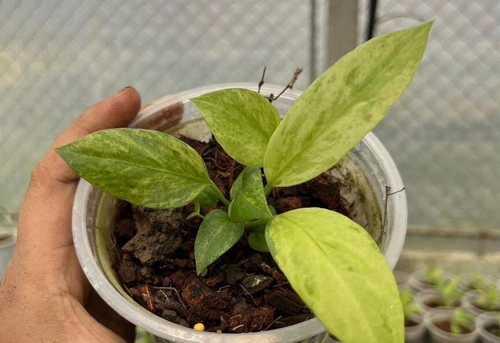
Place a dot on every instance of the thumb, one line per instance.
(45, 220)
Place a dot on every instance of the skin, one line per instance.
(45, 296)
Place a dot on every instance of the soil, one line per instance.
(494, 329)
(435, 303)
(439, 303)
(446, 326)
(411, 322)
(244, 291)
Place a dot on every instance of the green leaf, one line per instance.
(338, 271)
(257, 241)
(248, 199)
(343, 105)
(241, 120)
(146, 168)
(216, 235)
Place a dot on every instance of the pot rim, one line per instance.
(470, 299)
(432, 317)
(158, 326)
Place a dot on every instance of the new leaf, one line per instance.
(146, 168)
(216, 235)
(342, 106)
(337, 269)
(257, 241)
(241, 120)
(248, 198)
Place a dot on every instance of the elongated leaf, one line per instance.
(248, 199)
(343, 105)
(241, 120)
(216, 235)
(337, 269)
(146, 168)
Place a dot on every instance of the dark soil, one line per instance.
(494, 329)
(446, 326)
(410, 322)
(435, 303)
(242, 292)
(439, 303)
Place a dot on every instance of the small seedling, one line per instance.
(489, 298)
(451, 291)
(411, 309)
(332, 263)
(477, 282)
(434, 276)
(462, 322)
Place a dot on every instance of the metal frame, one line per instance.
(342, 34)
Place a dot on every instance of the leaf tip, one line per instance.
(63, 151)
(428, 25)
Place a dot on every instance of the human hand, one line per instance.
(45, 297)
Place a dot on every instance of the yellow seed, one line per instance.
(199, 327)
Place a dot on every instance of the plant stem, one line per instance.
(222, 197)
(257, 223)
(224, 200)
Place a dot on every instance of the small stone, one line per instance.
(153, 246)
(256, 283)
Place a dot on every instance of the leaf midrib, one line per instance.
(162, 171)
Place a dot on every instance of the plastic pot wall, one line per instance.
(483, 322)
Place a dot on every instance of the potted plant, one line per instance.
(457, 326)
(483, 300)
(489, 328)
(426, 279)
(446, 296)
(476, 282)
(414, 323)
(235, 234)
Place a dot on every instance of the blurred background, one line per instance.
(56, 58)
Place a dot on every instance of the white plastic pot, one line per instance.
(417, 282)
(440, 336)
(469, 302)
(425, 298)
(416, 333)
(93, 209)
(483, 322)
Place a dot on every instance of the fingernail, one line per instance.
(123, 90)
